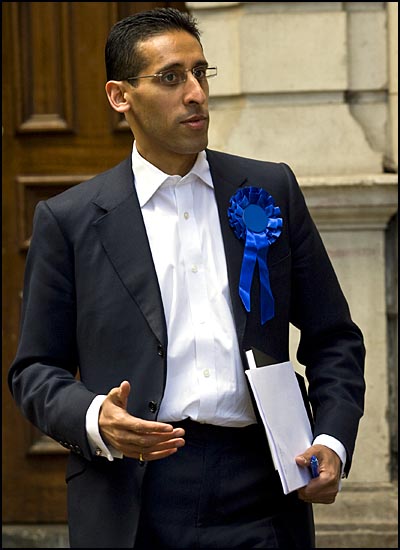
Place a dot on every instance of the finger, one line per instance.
(151, 440)
(319, 498)
(157, 455)
(133, 446)
(148, 427)
(124, 391)
(134, 440)
(151, 453)
(302, 461)
(309, 490)
(321, 490)
(119, 395)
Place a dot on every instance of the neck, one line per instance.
(172, 164)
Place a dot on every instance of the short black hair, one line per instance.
(122, 53)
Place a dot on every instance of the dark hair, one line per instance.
(122, 52)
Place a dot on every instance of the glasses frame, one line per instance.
(184, 71)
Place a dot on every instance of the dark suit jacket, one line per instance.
(92, 301)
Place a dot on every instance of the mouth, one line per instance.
(196, 122)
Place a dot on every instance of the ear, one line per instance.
(116, 94)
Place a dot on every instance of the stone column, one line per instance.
(352, 214)
(393, 38)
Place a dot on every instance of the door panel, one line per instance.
(58, 130)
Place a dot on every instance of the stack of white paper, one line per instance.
(285, 419)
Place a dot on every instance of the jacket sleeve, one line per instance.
(331, 344)
(42, 377)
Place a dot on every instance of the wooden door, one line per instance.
(58, 130)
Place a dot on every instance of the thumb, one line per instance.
(124, 391)
(304, 459)
(119, 396)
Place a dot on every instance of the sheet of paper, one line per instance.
(285, 419)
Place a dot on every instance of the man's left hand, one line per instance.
(324, 488)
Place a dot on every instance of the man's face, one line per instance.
(170, 123)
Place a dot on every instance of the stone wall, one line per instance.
(302, 81)
(314, 84)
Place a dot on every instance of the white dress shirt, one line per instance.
(205, 377)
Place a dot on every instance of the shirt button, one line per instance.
(206, 373)
(194, 268)
(186, 215)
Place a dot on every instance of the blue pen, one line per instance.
(314, 466)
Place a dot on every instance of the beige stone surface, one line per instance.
(393, 54)
(313, 139)
(362, 277)
(364, 515)
(222, 48)
(373, 117)
(290, 52)
(367, 50)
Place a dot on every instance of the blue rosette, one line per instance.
(256, 220)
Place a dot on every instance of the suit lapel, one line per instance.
(226, 183)
(122, 233)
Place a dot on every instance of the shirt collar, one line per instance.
(148, 178)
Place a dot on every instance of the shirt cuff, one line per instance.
(336, 446)
(97, 445)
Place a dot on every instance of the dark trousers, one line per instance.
(220, 491)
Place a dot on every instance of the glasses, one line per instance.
(172, 77)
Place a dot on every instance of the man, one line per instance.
(135, 280)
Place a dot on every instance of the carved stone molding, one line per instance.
(351, 202)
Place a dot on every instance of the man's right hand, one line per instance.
(135, 437)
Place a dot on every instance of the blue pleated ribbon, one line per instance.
(255, 219)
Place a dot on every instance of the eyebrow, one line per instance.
(169, 66)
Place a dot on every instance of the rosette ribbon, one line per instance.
(256, 220)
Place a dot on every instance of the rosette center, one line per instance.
(255, 218)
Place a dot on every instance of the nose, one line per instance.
(195, 91)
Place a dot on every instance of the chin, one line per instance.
(195, 147)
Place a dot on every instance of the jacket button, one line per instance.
(160, 350)
(153, 406)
